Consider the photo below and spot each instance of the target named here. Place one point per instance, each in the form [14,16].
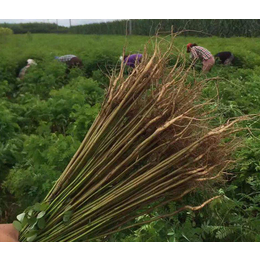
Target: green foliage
[32,216]
[5,31]
[44,117]
[8,125]
[41,79]
[3,88]
[39,164]
[35,28]
[101,77]
[231,219]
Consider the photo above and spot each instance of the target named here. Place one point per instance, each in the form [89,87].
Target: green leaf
[44,206]
[24,222]
[41,223]
[30,233]
[31,221]
[32,238]
[20,217]
[37,207]
[30,213]
[33,225]
[41,214]
[17,225]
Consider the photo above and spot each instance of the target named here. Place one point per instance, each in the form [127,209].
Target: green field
[44,118]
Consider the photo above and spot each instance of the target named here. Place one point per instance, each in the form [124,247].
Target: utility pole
[57,24]
[70,22]
[130,27]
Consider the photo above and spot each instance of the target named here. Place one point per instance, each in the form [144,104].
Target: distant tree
[23,28]
[5,31]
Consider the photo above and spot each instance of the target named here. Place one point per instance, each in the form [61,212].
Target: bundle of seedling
[152,143]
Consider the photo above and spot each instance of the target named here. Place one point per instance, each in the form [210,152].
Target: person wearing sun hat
[200,53]
[72,61]
[132,60]
[23,71]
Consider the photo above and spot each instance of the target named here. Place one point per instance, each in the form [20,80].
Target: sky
[62,22]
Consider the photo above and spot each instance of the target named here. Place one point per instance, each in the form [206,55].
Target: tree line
[22,28]
[198,27]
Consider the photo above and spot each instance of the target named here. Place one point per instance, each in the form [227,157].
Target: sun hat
[31,61]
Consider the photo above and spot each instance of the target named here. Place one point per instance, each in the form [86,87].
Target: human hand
[8,233]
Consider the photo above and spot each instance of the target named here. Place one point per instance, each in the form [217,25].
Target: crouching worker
[131,60]
[200,53]
[71,61]
[23,71]
[225,57]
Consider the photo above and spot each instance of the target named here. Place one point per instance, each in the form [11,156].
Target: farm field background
[44,118]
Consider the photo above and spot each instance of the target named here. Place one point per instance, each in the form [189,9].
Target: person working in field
[200,53]
[225,57]
[131,60]
[23,71]
[72,61]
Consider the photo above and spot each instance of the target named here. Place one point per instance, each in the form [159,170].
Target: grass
[19,47]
